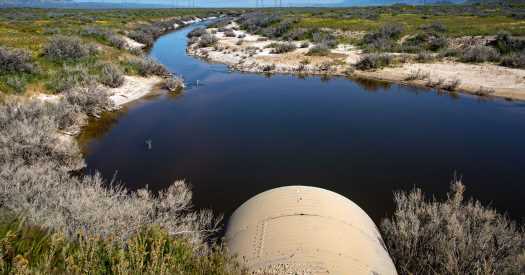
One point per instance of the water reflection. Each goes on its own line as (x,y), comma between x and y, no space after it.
(237,134)
(370,85)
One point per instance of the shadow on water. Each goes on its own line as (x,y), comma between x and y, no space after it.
(235,135)
(372,85)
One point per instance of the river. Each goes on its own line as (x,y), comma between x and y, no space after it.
(233,135)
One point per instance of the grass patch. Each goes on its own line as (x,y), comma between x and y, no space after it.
(52,37)
(33,249)
(457,25)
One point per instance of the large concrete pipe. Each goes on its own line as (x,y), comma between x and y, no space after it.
(306,230)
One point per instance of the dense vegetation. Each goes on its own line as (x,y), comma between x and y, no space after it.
(453,236)
(51,50)
(474,34)
(30,249)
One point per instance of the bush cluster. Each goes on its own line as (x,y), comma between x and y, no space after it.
(207,40)
(257,21)
(422,41)
(279,48)
(514,60)
(383,39)
(62,48)
(319,50)
(295,34)
(198,32)
(35,179)
(373,61)
(91,100)
(105,35)
(17,83)
(111,75)
(70,76)
(15,61)
(278,30)
(453,236)
(507,44)
(147,66)
(174,84)
(229,33)
(324,39)
(147,33)
(220,23)
(480,54)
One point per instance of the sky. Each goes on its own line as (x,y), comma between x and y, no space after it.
(223,3)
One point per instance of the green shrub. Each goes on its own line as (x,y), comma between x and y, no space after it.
(105,35)
(424,57)
(514,60)
(31,249)
(383,39)
(447,52)
(90,100)
(28,134)
(17,83)
(431,38)
(174,84)
(479,54)
(207,40)
(229,33)
(142,37)
(147,67)
(111,75)
(323,38)
(277,30)
(69,77)
(279,48)
(453,236)
(319,50)
(15,61)
(198,32)
(295,34)
(506,44)
(256,21)
(434,27)
(63,48)
(373,61)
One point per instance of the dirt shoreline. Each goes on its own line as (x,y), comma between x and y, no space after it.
(133,88)
(249,53)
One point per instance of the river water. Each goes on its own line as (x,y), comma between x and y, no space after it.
(233,135)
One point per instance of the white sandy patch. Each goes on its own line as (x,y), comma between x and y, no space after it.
(502,81)
(49,98)
(134,87)
(132,44)
(253,56)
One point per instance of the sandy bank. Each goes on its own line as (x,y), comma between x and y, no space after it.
(132,44)
(249,53)
(134,87)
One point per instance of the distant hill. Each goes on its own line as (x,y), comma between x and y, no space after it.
(348,3)
(75,4)
(495,1)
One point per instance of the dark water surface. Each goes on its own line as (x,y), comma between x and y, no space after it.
(236,135)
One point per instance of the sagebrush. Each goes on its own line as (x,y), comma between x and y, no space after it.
(453,236)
